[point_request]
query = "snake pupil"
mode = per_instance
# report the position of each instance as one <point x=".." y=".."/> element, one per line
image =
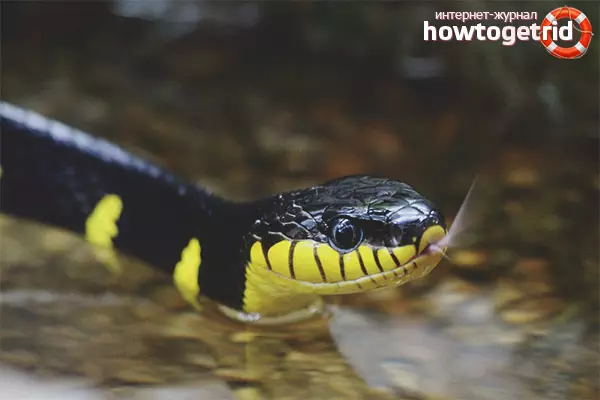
<point x="345" y="235"/>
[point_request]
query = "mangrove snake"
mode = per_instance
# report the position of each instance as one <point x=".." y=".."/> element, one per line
<point x="263" y="258"/>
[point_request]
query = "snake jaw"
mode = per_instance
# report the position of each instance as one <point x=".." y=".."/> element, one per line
<point x="429" y="255"/>
<point x="420" y="265"/>
<point x="426" y="257"/>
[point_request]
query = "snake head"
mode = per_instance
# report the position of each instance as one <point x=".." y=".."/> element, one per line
<point x="347" y="235"/>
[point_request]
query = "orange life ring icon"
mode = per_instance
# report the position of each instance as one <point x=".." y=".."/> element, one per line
<point x="585" y="28"/>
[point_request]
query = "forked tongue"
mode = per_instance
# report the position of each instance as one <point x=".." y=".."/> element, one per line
<point x="464" y="221"/>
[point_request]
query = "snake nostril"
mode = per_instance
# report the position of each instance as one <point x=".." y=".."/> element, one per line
<point x="436" y="218"/>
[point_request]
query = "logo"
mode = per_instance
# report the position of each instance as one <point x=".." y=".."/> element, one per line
<point x="585" y="28"/>
<point x="507" y="28"/>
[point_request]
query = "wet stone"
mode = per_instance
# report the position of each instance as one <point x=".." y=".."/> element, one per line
<point x="296" y="356"/>
<point x="249" y="393"/>
<point x="239" y="375"/>
<point x="533" y="309"/>
<point x="136" y="373"/>
<point x="243" y="337"/>
<point x="168" y="297"/>
<point x="403" y="376"/>
<point x="469" y="258"/>
<point x="19" y="357"/>
<point x="202" y="360"/>
<point x="182" y="325"/>
<point x="334" y="369"/>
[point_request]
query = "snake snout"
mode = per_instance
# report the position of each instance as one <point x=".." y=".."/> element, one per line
<point x="419" y="226"/>
<point x="433" y="230"/>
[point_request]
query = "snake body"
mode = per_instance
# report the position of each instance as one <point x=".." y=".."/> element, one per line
<point x="267" y="257"/>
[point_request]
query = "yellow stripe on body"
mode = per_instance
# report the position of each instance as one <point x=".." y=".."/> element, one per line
<point x="185" y="275"/>
<point x="101" y="228"/>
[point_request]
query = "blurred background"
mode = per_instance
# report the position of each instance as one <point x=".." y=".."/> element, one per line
<point x="252" y="98"/>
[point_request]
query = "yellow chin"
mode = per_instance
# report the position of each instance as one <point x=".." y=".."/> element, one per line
<point x="418" y="267"/>
<point x="291" y="274"/>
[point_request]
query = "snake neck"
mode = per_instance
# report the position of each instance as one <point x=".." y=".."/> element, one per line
<point x="231" y="277"/>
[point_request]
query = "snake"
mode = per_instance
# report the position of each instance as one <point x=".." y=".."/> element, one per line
<point x="262" y="258"/>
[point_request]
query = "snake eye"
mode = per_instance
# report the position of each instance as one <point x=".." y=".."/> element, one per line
<point x="344" y="235"/>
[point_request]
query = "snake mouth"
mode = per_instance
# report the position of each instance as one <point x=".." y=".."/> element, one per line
<point x="364" y="269"/>
<point x="427" y="256"/>
<point x="417" y="267"/>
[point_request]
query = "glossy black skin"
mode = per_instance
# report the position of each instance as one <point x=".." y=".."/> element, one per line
<point x="390" y="213"/>
<point x="56" y="175"/>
